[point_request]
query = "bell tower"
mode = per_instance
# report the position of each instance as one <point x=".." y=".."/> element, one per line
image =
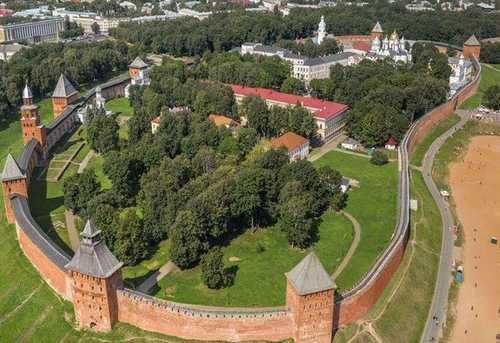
<point x="310" y="296"/>
<point x="30" y="119"/>
<point x="95" y="277"/>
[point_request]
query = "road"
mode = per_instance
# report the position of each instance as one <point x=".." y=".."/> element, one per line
<point x="439" y="304"/>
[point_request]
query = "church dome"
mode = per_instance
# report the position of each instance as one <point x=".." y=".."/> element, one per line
<point x="394" y="36"/>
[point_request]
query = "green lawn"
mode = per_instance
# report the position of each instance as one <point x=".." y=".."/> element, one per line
<point x="489" y="77"/>
<point x="418" y="154"/>
<point x="374" y="205"/>
<point x="96" y="163"/>
<point x="260" y="279"/>
<point x="121" y="106"/>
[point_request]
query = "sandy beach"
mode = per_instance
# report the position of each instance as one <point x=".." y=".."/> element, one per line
<point x="475" y="185"/>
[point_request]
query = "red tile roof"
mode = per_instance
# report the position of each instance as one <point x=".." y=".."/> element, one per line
<point x="289" y="140"/>
<point x="391" y="141"/>
<point x="319" y="108"/>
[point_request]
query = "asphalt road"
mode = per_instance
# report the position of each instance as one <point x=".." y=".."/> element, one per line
<point x="440" y="300"/>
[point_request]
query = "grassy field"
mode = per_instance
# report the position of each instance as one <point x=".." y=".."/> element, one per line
<point x="402" y="310"/>
<point x="489" y="77"/>
<point x="374" y="205"/>
<point x="121" y="106"/>
<point x="418" y="154"/>
<point x="260" y="279"/>
<point x="96" y="163"/>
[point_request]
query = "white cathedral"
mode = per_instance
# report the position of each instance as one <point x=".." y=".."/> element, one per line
<point x="392" y="47"/>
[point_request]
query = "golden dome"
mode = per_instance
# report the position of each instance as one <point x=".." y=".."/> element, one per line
<point x="394" y="36"/>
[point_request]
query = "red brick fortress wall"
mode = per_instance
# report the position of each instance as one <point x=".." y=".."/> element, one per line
<point x="203" y="323"/>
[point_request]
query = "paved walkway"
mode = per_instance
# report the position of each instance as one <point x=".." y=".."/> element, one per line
<point x="85" y="161"/>
<point x="440" y="300"/>
<point x="74" y="237"/>
<point x="328" y="146"/>
<point x="157" y="276"/>
<point x="352" y="248"/>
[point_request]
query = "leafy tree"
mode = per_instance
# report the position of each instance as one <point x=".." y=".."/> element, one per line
<point x="213" y="272"/>
<point x="105" y="217"/>
<point x="257" y="114"/>
<point x="296" y="219"/>
<point x="490" y="53"/>
<point x="339" y="201"/>
<point x="131" y="244"/>
<point x="95" y="28"/>
<point x="379" y="158"/>
<point x="79" y="189"/>
<point x="102" y="133"/>
<point x="492" y="97"/>
<point x="186" y="236"/>
<point x="247" y="138"/>
<point x="273" y="159"/>
<point x="293" y="86"/>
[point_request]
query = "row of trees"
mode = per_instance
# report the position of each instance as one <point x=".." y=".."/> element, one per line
<point x="490" y="53"/>
<point x="42" y="64"/>
<point x="224" y="31"/>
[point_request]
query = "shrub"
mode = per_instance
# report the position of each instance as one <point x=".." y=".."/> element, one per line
<point x="379" y="158"/>
<point x="213" y="272"/>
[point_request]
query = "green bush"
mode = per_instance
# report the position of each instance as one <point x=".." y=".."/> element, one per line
<point x="379" y="158"/>
<point x="213" y="272"/>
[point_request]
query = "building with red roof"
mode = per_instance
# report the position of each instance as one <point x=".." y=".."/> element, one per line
<point x="296" y="145"/>
<point x="391" y="144"/>
<point x="330" y="116"/>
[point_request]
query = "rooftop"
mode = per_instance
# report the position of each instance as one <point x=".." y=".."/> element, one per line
<point x="472" y="41"/>
<point x="64" y="88"/>
<point x="289" y="140"/>
<point x="320" y="108"/>
<point x="220" y="120"/>
<point x="138" y="63"/>
<point x="11" y="170"/>
<point x="309" y="276"/>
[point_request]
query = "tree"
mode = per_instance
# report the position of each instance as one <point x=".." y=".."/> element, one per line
<point x="379" y="158"/>
<point x="492" y="97"/>
<point x="131" y="243"/>
<point x="273" y="159"/>
<point x="102" y="133"/>
<point x="186" y="237"/>
<point x="213" y="273"/>
<point x="296" y="219"/>
<point x="292" y="85"/>
<point x="247" y="138"/>
<point x="257" y="114"/>
<point x="79" y="189"/>
<point x="95" y="28"/>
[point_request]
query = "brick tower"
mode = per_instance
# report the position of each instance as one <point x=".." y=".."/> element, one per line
<point x="472" y="48"/>
<point x="13" y="182"/>
<point x="30" y="119"/>
<point x="377" y="32"/>
<point x="64" y="94"/>
<point x="96" y="276"/>
<point x="310" y="296"/>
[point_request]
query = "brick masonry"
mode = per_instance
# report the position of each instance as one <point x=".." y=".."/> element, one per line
<point x="309" y="318"/>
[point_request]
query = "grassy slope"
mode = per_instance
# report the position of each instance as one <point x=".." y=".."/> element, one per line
<point x="420" y="150"/>
<point x="260" y="279"/>
<point x="489" y="77"/>
<point x="120" y="106"/>
<point x="374" y="205"/>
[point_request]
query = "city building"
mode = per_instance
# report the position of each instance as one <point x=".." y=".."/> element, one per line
<point x="330" y="116"/>
<point x="32" y="31"/>
<point x="461" y="73"/>
<point x="222" y="121"/>
<point x="64" y="95"/>
<point x="392" y="47"/>
<point x="302" y="67"/>
<point x="9" y="50"/>
<point x="296" y="145"/>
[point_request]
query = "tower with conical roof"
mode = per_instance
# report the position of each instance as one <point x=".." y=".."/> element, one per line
<point x="96" y="276"/>
<point x="64" y="94"/>
<point x="30" y="119"/>
<point x="310" y="297"/>
<point x="472" y="48"/>
<point x="377" y="31"/>
<point x="13" y="182"/>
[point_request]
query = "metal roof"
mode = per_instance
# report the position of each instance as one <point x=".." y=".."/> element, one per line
<point x="27" y="94"/>
<point x="138" y="63"/>
<point x="93" y="257"/>
<point x="472" y="41"/>
<point x="377" y="28"/>
<point x="309" y="276"/>
<point x="24" y="160"/>
<point x="64" y="88"/>
<point x="11" y="170"/>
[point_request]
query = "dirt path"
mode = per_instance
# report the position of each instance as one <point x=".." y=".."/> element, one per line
<point x="475" y="185"/>
<point x="157" y="276"/>
<point x="85" y="161"/>
<point x="352" y="248"/>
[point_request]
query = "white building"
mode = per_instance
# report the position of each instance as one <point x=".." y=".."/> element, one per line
<point x="9" y="50"/>
<point x="392" y="47"/>
<point x="350" y="144"/>
<point x="296" y="145"/>
<point x="461" y="73"/>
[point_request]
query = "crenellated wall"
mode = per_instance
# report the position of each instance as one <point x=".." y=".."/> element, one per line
<point x="203" y="323"/>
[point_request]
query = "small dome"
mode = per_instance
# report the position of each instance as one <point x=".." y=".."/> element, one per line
<point x="27" y="92"/>
<point x="394" y="36"/>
